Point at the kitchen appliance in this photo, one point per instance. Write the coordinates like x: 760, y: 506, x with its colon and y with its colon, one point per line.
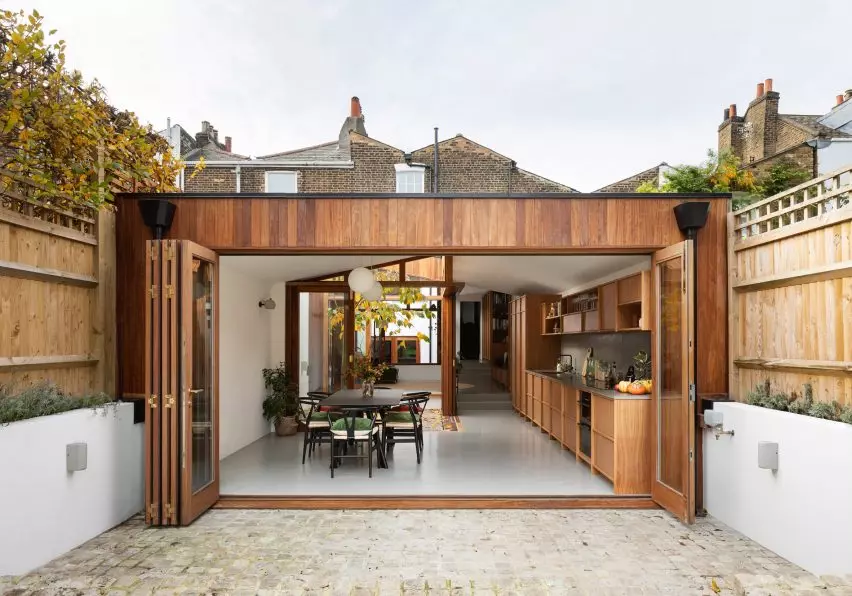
x: 585, y: 424
x: 565, y: 367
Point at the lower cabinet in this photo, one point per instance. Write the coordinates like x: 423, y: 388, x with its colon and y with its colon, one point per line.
x: 621, y: 443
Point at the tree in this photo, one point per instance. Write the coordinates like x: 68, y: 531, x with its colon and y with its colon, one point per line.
x: 58, y: 130
x: 720, y: 172
x: 781, y: 176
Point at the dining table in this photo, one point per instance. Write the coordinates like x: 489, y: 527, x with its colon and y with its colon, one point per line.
x: 382, y: 400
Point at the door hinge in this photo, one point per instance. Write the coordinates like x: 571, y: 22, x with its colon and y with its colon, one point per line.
x: 153, y: 291
x: 167, y: 511
x: 153, y: 252
x: 170, y: 291
x: 692, y: 392
x: 152, y: 510
x: 170, y: 252
x: 152, y: 401
x: 169, y: 401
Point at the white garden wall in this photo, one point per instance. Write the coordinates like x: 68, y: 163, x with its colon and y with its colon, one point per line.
x: 46, y: 510
x: 801, y: 511
x: 244, y: 351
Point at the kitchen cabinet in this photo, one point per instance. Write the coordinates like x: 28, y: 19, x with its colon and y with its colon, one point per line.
x: 621, y: 305
x: 608, y: 307
x: 634, y: 303
x: 621, y: 443
x: 528, y: 348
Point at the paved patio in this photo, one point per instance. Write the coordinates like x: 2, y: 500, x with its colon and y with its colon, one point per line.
x: 423, y: 552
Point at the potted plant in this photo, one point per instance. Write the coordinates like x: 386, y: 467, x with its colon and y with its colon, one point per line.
x: 368, y: 372
x: 391, y: 374
x: 281, y: 404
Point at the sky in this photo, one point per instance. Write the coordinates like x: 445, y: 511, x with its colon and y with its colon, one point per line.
x: 584, y: 93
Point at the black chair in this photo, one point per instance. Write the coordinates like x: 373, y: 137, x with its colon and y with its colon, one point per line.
x: 406, y: 427
x: 315, y: 421
x: 347, y: 425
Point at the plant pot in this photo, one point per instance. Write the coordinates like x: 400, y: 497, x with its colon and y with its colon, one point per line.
x: 286, y: 426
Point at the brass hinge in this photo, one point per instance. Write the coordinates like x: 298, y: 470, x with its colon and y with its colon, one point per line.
x: 170, y: 291
x: 153, y: 291
x: 152, y: 401
x: 167, y: 511
x: 169, y: 401
x: 152, y: 510
x: 153, y: 252
x: 170, y: 251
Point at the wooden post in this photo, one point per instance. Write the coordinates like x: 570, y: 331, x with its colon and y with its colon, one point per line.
x: 103, y: 303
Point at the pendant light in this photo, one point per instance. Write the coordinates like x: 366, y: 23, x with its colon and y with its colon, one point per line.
x: 374, y: 293
x: 361, y: 280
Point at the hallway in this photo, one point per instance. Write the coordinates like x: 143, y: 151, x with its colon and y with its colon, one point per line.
x: 485, y: 393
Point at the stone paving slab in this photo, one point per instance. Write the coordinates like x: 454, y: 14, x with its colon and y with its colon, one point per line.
x: 494, y: 552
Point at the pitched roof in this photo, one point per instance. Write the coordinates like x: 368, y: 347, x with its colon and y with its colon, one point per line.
x: 631, y: 183
x: 330, y: 151
x: 212, y: 152
x: 811, y: 124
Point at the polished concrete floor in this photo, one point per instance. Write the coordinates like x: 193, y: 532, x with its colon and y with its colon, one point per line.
x: 496, y: 454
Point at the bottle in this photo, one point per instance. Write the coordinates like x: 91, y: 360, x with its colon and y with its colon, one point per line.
x: 610, y: 379
x: 631, y: 374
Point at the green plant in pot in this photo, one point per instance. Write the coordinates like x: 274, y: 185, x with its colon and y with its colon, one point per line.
x: 282, y: 400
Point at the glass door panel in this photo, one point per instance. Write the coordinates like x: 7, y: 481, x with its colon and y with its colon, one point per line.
x: 322, y: 341
x: 673, y: 372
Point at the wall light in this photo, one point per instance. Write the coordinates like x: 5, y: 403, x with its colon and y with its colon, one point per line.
x: 268, y: 304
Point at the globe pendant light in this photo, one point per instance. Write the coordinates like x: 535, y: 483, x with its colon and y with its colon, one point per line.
x: 361, y: 279
x: 374, y: 293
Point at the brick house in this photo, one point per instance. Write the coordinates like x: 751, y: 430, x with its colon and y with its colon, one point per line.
x: 631, y: 183
x: 763, y: 136
x: 355, y: 162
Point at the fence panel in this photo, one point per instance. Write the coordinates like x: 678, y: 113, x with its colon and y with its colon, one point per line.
x: 791, y: 291
x: 57, y: 291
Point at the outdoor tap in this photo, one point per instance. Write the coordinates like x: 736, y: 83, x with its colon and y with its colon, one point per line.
x: 714, y: 421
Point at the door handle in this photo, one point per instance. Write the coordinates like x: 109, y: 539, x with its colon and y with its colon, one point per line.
x: 192, y: 393
x: 195, y: 391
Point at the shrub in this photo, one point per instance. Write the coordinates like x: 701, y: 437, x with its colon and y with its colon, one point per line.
x: 779, y: 401
x: 44, y: 399
x: 824, y: 410
x: 846, y: 415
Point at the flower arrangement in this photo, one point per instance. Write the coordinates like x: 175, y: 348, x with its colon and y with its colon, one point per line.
x: 367, y: 371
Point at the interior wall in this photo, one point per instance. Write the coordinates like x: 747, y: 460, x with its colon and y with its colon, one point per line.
x: 610, y: 347
x: 278, y: 326
x: 244, y: 350
x: 419, y: 372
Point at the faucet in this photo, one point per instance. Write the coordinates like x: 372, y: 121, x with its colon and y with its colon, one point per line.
x: 570, y: 368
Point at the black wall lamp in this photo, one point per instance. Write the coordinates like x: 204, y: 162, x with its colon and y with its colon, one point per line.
x: 158, y: 214
x: 691, y: 217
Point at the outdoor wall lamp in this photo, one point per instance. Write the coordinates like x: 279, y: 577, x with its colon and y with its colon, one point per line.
x: 158, y: 215
x: 691, y: 217
x: 715, y: 420
x: 268, y: 304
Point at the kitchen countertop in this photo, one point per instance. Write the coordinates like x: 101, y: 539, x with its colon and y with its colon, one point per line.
x: 578, y: 382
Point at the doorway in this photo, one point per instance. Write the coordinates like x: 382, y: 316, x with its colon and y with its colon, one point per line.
x: 470, y: 331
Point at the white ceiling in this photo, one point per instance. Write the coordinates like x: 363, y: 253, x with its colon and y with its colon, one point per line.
x: 512, y: 274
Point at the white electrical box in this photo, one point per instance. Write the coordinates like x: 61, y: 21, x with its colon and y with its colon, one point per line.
x: 76, y: 457
x: 767, y: 455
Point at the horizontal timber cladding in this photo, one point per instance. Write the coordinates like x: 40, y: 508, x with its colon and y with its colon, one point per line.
x: 431, y: 225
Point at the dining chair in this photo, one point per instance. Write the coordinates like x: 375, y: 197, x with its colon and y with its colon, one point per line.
x: 315, y: 421
x: 347, y: 425
x: 406, y: 427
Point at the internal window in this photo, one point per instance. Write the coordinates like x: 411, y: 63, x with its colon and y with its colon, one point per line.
x: 281, y: 182
x: 409, y: 179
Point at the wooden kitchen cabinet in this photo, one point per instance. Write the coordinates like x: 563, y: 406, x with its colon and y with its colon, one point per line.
x: 634, y: 303
x: 528, y: 349
x: 608, y: 307
x: 621, y: 443
x: 569, y: 419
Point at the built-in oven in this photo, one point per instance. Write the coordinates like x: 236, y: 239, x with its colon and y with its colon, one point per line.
x: 585, y: 424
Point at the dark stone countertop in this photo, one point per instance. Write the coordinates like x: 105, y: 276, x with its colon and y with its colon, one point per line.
x: 578, y: 382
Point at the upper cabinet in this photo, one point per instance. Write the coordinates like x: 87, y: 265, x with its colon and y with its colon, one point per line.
x: 621, y: 305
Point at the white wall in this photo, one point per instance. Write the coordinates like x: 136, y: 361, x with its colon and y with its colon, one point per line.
x: 420, y: 372
x: 278, y: 324
x: 244, y: 350
x: 802, y: 511
x: 46, y: 511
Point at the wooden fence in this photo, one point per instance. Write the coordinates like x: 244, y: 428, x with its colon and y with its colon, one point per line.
x: 57, y: 291
x: 790, y: 290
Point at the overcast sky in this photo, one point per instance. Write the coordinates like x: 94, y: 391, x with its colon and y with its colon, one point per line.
x: 584, y: 93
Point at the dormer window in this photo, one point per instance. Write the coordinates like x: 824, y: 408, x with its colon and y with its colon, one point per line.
x: 281, y: 182
x: 410, y: 179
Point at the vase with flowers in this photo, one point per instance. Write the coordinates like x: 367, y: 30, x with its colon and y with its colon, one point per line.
x: 368, y: 372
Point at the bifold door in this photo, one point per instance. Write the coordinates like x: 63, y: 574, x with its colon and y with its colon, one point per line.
x: 673, y: 362
x: 181, y: 386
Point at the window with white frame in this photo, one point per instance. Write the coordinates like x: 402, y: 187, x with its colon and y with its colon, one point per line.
x: 281, y: 182
x: 409, y: 179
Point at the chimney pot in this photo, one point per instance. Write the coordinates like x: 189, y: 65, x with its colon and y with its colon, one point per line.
x: 733, y: 111
x: 215, y: 134
x: 839, y: 99
x: 760, y: 88
x: 228, y: 144
x: 847, y: 95
x: 767, y: 85
x: 355, y: 108
x: 205, y: 126
x: 726, y: 114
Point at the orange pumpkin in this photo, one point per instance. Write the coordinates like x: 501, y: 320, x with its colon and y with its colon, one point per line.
x: 637, y: 388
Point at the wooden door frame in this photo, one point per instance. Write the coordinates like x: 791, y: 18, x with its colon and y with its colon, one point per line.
x: 192, y: 506
x: 680, y: 505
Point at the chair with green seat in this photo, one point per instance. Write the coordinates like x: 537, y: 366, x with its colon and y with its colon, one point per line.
x: 315, y: 421
x: 406, y: 427
x: 348, y: 425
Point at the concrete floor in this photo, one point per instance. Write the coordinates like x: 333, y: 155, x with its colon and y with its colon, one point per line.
x: 496, y: 453
x: 520, y: 553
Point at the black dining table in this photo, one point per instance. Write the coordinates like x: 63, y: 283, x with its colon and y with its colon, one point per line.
x: 382, y: 400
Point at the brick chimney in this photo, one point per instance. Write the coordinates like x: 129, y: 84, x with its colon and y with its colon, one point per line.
x: 203, y: 137
x: 839, y: 100
x: 732, y: 111
x: 353, y: 123
x: 228, y: 144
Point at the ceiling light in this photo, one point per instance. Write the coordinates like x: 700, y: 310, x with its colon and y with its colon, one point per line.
x: 361, y: 280
x: 374, y: 293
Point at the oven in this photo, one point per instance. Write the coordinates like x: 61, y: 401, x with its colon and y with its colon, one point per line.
x: 585, y: 424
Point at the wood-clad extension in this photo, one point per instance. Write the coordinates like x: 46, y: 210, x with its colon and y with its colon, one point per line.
x: 429, y: 225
